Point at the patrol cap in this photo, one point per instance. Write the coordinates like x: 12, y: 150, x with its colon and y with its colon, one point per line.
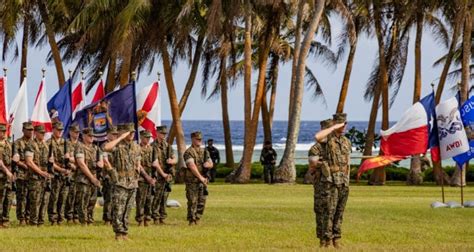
x: 39, y: 128
x: 339, y: 117
x: 145, y: 133
x: 162, y: 129
x: 28, y: 126
x: 58, y: 125
x: 88, y: 131
x: 326, y: 123
x: 112, y: 130
x: 74, y: 128
x: 126, y: 127
x: 3, y: 127
x: 196, y: 134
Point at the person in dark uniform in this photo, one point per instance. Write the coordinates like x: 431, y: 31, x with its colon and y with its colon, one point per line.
x: 215, y: 157
x: 268, y: 160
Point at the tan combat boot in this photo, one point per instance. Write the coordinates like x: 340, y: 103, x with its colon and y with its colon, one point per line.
x: 140, y: 223
x: 162, y: 222
x: 145, y: 223
x: 327, y: 243
x: 336, y: 243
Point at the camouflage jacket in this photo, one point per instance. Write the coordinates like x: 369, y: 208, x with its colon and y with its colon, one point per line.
x: 71, y: 149
x: 198, y: 156
x: 146, y: 160
x: 20, y: 146
x: 268, y: 156
x: 58, y: 150
x: 164, y: 151
x: 89, y: 153
x: 337, y: 156
x: 126, y: 157
x: 6, y: 155
x: 39, y: 151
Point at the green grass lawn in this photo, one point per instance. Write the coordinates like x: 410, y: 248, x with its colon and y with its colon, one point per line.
x: 276, y: 217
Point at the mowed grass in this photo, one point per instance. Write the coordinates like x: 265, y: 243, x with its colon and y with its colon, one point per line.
x: 275, y: 217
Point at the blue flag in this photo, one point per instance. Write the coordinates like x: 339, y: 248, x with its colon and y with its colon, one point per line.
x: 115, y: 108
x: 467, y: 117
x: 61, y: 102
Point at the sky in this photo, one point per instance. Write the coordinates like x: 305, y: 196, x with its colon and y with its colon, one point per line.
x: 313, y: 110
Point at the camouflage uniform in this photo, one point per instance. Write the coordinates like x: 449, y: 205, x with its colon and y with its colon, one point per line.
x: 22, y: 197
x: 316, y: 153
x: 60, y: 187
x: 164, y: 152
x: 125, y: 163
x: 84, y: 188
x: 70, y: 208
x: 194, y: 187
x: 268, y: 159
x: 335, y: 186
x: 38, y: 187
x: 143, y: 199
x: 107, y: 185
x: 6, y: 192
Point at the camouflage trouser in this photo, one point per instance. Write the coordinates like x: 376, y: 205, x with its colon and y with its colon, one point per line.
x: 39, y: 198
x: 196, y: 200
x: 57, y: 202
x: 6, y: 197
x: 107, y: 191
x: 83, y: 195
x: 22, y: 200
x: 159, y: 201
x: 334, y: 199
x: 318, y: 209
x: 268, y: 170
x: 143, y: 201
x: 70, y: 209
x: 121, y: 207
x: 91, y: 204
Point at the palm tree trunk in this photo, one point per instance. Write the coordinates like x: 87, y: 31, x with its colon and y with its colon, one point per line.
x: 229, y: 154
x: 286, y: 172
x: 267, y: 130
x: 347, y: 76
x: 189, y: 84
x: 52, y: 42
x: 271, y: 110
x: 125, y: 70
x: 173, y: 106
x: 24, y: 46
x: 459, y: 178
x: 110, y: 85
x: 415, y: 177
x: 296, y: 53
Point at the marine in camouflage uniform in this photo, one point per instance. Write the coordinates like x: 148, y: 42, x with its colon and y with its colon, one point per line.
x: 125, y: 173
x: 316, y: 162
x: 197, y: 160
x: 22, y: 198
x: 86, y: 180
x: 165, y: 172
x: 335, y: 180
x: 39, y: 184
x: 107, y: 185
x: 6, y: 178
x: 145, y: 181
x: 60, y: 186
x: 71, y: 203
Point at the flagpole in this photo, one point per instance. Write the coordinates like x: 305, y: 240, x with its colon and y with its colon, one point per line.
x: 43, y: 70
x: 5, y: 71
x: 441, y: 166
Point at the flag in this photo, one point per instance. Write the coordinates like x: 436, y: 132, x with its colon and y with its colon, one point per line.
x: 148, y: 104
x: 40, y: 115
x: 99, y: 93
x: 61, y: 102
x: 467, y: 118
x: 115, y: 108
x: 452, y: 136
x: 78, y: 98
x: 409, y: 136
x: 3, y: 100
x: 18, y: 113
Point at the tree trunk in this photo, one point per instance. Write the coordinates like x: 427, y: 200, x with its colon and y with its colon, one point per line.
x: 267, y: 130
x: 271, y: 110
x: 189, y: 84
x: 52, y: 42
x: 296, y: 53
x: 24, y: 46
x: 125, y: 69
x: 173, y: 106
x: 110, y: 85
x: 347, y: 76
x: 459, y: 178
x: 286, y: 172
x: 229, y: 154
x: 415, y: 177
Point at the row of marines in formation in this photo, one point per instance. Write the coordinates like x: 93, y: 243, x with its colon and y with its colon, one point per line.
x: 61, y: 177
x: 329, y: 163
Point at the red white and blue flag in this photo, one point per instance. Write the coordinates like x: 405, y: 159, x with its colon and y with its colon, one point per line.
x: 412, y: 135
x: 149, y: 108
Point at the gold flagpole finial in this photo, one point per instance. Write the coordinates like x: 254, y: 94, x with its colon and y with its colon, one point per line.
x: 159, y: 74
x: 134, y: 76
x: 82, y: 74
x: 70, y: 74
x: 24, y: 71
x: 5, y: 71
x: 44, y: 71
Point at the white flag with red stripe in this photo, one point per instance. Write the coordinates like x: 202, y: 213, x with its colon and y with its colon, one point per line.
x: 40, y: 115
x: 18, y: 113
x: 3, y: 100
x: 149, y: 108
x: 99, y: 92
x: 78, y: 100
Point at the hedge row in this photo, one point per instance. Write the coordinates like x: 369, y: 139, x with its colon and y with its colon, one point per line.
x: 393, y: 173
